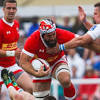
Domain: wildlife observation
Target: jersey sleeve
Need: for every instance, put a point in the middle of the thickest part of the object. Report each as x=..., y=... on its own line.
x=94, y=32
x=1, y=37
x=31, y=45
x=64, y=35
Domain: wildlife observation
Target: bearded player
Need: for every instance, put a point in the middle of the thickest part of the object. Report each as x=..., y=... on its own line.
x=48, y=36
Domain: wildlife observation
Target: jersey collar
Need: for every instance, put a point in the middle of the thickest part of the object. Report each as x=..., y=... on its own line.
x=10, y=24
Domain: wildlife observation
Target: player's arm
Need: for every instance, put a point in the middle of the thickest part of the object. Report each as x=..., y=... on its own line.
x=26, y=65
x=82, y=17
x=3, y=53
x=93, y=46
x=91, y=35
x=78, y=41
x=10, y=53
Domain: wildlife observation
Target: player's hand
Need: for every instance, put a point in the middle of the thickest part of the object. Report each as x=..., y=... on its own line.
x=53, y=50
x=17, y=53
x=82, y=14
x=42, y=73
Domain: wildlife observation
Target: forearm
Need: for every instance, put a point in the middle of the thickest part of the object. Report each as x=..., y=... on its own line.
x=25, y=63
x=93, y=46
x=74, y=43
x=79, y=41
x=28, y=68
x=7, y=53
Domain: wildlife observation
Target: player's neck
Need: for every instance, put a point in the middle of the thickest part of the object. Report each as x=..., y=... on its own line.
x=8, y=20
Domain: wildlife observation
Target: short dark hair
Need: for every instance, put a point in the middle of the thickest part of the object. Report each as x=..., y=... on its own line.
x=97, y=4
x=50, y=98
x=9, y=1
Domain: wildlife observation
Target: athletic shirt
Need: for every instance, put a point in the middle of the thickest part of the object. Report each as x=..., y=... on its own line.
x=94, y=31
x=9, y=36
x=35, y=47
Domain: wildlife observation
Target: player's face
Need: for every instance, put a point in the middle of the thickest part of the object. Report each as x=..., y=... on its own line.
x=97, y=15
x=10, y=11
x=50, y=39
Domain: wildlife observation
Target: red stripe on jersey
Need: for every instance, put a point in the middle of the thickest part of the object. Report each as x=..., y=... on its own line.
x=38, y=81
x=17, y=71
x=57, y=64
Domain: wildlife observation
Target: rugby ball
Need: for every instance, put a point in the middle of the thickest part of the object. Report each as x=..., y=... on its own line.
x=37, y=63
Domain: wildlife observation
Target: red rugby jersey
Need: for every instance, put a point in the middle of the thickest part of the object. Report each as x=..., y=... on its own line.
x=9, y=36
x=35, y=47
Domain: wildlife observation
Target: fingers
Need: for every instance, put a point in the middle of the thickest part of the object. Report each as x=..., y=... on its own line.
x=47, y=71
x=79, y=7
x=81, y=10
x=42, y=72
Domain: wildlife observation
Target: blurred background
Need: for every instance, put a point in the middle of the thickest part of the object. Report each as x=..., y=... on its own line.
x=85, y=64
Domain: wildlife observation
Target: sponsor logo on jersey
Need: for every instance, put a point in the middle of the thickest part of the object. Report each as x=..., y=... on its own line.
x=92, y=28
x=8, y=32
x=9, y=46
x=41, y=50
x=50, y=59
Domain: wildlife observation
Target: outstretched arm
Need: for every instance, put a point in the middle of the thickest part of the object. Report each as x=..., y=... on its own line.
x=82, y=17
x=93, y=46
x=79, y=41
x=75, y=42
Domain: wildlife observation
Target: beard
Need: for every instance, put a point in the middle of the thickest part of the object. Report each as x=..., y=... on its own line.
x=51, y=44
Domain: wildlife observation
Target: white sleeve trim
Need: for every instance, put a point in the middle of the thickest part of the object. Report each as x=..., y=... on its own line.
x=76, y=35
x=94, y=32
x=28, y=53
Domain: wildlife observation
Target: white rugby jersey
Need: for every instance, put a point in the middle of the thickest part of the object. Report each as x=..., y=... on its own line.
x=94, y=31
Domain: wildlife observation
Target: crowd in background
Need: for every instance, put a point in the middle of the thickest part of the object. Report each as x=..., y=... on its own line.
x=83, y=62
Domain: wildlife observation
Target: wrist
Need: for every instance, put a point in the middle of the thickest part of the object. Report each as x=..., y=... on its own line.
x=61, y=47
x=10, y=53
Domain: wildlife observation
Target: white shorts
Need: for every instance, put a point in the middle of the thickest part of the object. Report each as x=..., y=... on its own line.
x=14, y=68
x=48, y=78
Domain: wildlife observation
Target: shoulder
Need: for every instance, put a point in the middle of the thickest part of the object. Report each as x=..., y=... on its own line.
x=1, y=25
x=16, y=23
x=62, y=32
x=35, y=36
x=1, y=22
x=33, y=41
x=59, y=30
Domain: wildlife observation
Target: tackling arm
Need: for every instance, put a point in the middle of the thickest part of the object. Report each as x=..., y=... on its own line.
x=78, y=41
x=93, y=46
